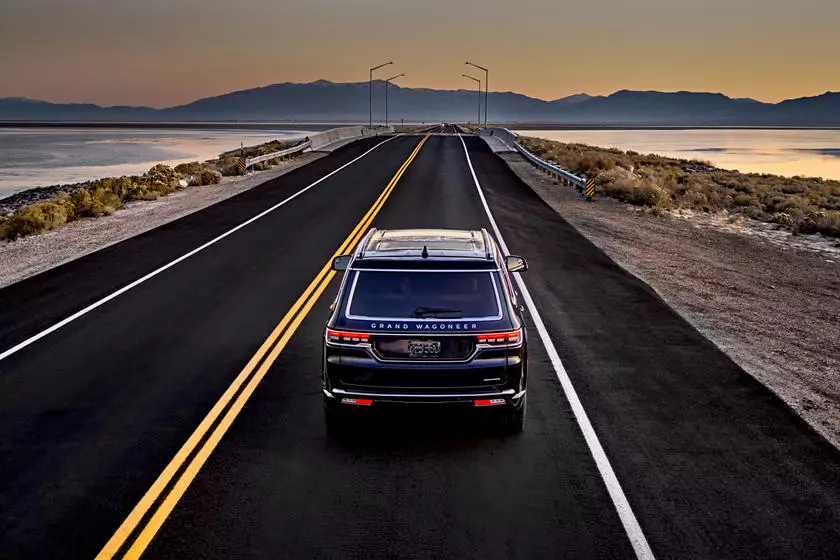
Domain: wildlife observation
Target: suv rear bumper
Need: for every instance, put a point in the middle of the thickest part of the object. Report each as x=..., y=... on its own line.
x=510, y=396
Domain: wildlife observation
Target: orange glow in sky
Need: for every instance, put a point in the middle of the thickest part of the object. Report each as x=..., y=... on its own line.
x=168, y=52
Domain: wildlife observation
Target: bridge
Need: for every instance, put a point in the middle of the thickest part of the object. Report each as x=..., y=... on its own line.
x=161, y=397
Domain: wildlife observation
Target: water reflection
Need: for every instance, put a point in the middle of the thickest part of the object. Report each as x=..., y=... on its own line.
x=41, y=157
x=813, y=153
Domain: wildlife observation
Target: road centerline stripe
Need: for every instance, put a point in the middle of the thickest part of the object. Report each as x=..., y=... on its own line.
x=284, y=331
x=619, y=499
x=150, y=275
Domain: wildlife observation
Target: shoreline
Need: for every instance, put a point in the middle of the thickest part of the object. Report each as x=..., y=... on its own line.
x=189, y=125
x=26, y=196
x=652, y=126
x=664, y=183
x=326, y=125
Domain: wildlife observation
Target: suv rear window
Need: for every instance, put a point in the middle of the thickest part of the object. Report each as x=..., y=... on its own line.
x=431, y=295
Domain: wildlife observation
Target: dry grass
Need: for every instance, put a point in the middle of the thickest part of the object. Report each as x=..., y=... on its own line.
x=104, y=196
x=802, y=204
x=198, y=174
x=98, y=198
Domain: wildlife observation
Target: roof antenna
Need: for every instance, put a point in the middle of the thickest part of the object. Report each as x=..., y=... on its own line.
x=425, y=253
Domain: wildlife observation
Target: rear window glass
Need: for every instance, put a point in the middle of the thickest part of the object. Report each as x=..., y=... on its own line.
x=430, y=295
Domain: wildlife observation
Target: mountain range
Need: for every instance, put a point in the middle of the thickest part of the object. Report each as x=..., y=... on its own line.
x=326, y=101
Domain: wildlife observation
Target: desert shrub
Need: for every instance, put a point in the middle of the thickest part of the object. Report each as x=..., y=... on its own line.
x=32, y=219
x=191, y=168
x=82, y=203
x=745, y=200
x=803, y=204
x=198, y=173
x=104, y=201
x=262, y=149
x=119, y=186
x=230, y=169
x=206, y=177
x=828, y=223
x=627, y=187
x=162, y=179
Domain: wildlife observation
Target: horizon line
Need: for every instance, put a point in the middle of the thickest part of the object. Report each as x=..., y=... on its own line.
x=379, y=81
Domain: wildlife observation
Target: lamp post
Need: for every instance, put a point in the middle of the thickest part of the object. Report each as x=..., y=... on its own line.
x=486, y=85
x=478, y=122
x=370, y=89
x=388, y=81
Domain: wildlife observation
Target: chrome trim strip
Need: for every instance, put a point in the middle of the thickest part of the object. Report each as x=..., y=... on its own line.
x=505, y=393
x=372, y=269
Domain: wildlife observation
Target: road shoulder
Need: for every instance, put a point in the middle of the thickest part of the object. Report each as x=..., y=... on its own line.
x=774, y=309
x=31, y=255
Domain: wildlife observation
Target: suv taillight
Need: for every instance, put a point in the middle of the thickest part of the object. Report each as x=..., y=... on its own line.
x=501, y=339
x=347, y=337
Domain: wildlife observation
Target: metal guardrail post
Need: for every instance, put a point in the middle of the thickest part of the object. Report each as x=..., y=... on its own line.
x=278, y=155
x=590, y=190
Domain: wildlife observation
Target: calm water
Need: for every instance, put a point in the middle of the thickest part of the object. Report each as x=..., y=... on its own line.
x=813, y=153
x=41, y=157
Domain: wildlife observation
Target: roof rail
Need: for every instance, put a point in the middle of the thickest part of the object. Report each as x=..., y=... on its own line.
x=360, y=253
x=487, y=243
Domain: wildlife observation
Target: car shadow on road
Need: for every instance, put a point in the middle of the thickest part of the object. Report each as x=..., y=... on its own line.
x=420, y=430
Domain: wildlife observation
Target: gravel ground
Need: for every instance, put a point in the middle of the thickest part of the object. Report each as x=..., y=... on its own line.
x=31, y=255
x=770, y=300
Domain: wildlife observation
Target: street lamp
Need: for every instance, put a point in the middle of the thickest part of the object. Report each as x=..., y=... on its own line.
x=370, y=89
x=478, y=122
x=388, y=81
x=486, y=85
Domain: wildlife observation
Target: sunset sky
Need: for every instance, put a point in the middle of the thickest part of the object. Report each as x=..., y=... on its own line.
x=168, y=52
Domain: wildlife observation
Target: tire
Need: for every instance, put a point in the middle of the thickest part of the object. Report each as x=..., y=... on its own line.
x=513, y=422
x=336, y=421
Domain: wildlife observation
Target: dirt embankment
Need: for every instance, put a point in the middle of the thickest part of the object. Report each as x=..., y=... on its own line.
x=772, y=302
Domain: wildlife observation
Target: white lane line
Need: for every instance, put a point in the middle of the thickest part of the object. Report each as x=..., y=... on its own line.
x=167, y=266
x=625, y=512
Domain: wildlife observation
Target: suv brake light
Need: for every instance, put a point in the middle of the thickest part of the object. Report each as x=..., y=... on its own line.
x=346, y=337
x=512, y=337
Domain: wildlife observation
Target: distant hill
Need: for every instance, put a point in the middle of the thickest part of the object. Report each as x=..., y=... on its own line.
x=336, y=102
x=21, y=109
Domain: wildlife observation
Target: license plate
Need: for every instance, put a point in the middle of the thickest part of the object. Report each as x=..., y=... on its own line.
x=423, y=348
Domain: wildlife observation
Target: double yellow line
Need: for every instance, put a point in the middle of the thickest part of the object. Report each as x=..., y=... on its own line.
x=252, y=374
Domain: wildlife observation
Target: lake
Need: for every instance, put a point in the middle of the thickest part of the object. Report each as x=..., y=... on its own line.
x=812, y=153
x=37, y=157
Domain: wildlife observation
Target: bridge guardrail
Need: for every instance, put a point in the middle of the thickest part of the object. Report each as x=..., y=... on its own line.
x=502, y=134
x=562, y=174
x=317, y=141
x=512, y=139
x=345, y=133
x=287, y=152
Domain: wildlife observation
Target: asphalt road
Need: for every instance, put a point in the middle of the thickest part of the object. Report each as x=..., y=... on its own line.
x=711, y=463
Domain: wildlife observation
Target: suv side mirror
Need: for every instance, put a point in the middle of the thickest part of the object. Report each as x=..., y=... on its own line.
x=515, y=264
x=341, y=262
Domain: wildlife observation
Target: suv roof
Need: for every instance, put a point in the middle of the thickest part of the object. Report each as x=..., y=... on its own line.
x=438, y=244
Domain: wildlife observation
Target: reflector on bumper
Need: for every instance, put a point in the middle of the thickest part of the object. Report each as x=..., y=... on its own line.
x=358, y=402
x=489, y=402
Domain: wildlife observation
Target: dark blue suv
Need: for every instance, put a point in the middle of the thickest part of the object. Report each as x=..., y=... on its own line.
x=426, y=317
